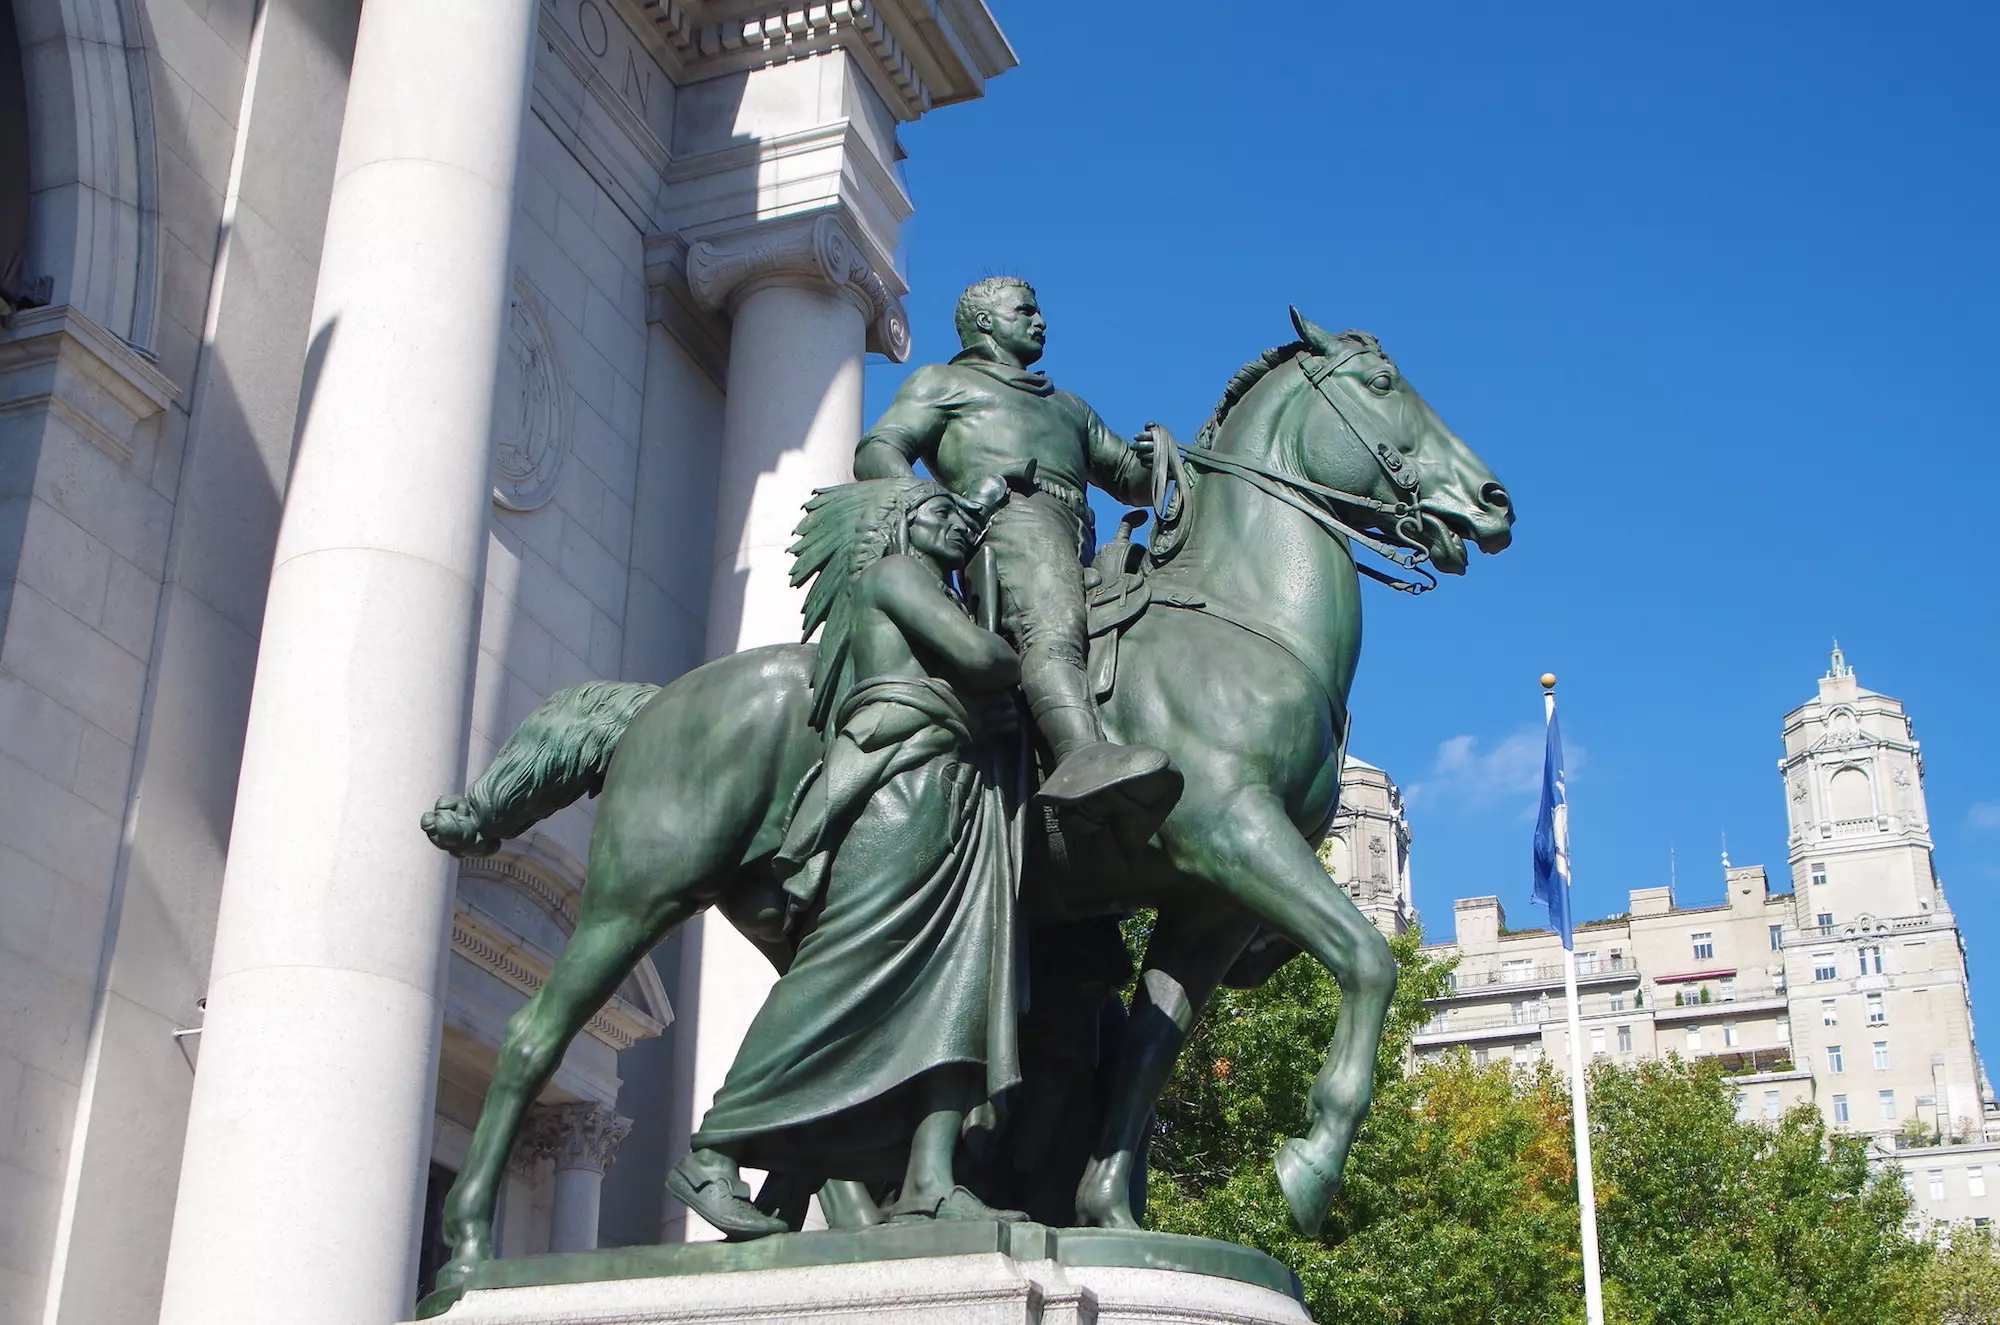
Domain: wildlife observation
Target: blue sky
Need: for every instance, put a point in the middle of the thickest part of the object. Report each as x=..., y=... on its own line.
x=1713, y=293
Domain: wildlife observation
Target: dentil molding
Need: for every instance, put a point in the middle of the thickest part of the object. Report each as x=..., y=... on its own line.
x=819, y=251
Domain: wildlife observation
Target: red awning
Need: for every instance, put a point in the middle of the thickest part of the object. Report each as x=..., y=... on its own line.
x=1693, y=975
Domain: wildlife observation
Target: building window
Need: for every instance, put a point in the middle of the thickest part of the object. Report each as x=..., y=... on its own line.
x=1742, y=1106
x=1523, y=1055
x=1823, y=967
x=1694, y=1039
x=1886, y=1101
x=1524, y=1014
x=1624, y=1039
x=1618, y=1002
x=1840, y=1109
x=1829, y=1012
x=1824, y=920
x=1771, y=1106
x=1877, y=1014
x=1834, y=1063
x=1597, y=1042
x=1586, y=963
x=1818, y=873
x=1777, y=937
x=1729, y=1037
x=1704, y=946
x=1871, y=960
x=1937, y=1184
x=1778, y=981
x=1479, y=1056
x=1881, y=1055
x=1517, y=972
x=1784, y=1030
x=1975, y=1181
x=1728, y=983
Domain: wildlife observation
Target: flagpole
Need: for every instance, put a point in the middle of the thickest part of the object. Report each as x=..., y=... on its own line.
x=1586, y=1180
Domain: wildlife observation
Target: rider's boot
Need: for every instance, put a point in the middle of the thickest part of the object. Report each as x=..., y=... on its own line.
x=1128, y=788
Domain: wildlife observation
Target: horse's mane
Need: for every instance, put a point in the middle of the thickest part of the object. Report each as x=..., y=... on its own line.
x=1250, y=374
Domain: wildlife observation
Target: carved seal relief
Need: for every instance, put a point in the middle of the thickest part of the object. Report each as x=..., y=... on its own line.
x=530, y=415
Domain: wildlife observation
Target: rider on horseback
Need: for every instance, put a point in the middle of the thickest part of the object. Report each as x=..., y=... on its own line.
x=986, y=413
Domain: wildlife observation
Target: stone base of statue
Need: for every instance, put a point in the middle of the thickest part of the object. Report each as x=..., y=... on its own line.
x=970, y=1273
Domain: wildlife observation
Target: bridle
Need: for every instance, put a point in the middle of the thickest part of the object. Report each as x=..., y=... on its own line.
x=1316, y=500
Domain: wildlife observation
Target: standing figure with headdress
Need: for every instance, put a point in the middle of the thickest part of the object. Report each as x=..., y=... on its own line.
x=895, y=1019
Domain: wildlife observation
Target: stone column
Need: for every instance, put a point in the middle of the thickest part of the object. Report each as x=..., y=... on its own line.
x=301, y=1183
x=804, y=305
x=581, y=1139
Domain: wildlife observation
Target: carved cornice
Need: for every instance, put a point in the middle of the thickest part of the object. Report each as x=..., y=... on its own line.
x=619, y=1024
x=575, y=1136
x=58, y=360
x=819, y=251
x=916, y=55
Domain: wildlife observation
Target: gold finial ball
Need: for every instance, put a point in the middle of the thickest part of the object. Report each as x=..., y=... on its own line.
x=1548, y=680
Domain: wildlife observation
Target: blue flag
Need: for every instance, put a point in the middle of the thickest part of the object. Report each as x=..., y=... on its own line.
x=1552, y=838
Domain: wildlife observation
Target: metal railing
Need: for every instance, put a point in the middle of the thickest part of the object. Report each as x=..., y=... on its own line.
x=1465, y=980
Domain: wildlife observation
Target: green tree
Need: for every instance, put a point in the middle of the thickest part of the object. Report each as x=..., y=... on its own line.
x=1961, y=1284
x=1460, y=1201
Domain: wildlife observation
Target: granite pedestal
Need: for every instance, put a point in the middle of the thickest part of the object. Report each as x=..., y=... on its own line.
x=971, y=1273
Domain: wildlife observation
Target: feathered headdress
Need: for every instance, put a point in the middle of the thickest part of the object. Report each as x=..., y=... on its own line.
x=846, y=529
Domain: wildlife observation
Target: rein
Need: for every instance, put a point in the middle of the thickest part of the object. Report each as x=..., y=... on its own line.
x=1319, y=502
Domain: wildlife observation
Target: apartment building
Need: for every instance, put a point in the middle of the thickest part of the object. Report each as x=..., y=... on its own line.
x=1845, y=987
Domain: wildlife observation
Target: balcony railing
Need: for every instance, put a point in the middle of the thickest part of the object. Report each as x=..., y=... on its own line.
x=1465, y=981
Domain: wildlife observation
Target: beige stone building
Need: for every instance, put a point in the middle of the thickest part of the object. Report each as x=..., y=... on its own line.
x=1367, y=847
x=1846, y=989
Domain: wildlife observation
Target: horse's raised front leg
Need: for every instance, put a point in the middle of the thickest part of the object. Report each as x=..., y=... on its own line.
x=1250, y=849
x=612, y=934
x=1184, y=959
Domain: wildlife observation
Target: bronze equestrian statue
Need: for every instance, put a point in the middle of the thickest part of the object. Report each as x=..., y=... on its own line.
x=1231, y=648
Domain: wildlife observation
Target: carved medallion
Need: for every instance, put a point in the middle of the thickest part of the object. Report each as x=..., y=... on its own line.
x=530, y=423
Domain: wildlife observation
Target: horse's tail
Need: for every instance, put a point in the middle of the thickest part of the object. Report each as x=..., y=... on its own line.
x=558, y=755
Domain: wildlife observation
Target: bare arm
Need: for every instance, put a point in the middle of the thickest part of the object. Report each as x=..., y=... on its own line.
x=910, y=596
x=907, y=433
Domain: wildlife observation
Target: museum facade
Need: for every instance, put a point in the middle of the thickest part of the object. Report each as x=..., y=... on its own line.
x=367, y=374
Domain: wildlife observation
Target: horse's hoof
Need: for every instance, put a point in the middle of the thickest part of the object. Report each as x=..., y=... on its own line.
x=451, y=1281
x=1100, y=1203
x=1309, y=1190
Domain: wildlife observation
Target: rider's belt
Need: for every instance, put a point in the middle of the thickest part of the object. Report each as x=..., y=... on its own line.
x=1063, y=493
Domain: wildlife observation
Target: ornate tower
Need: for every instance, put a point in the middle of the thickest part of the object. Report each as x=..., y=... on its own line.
x=1367, y=848
x=1854, y=778
x=1873, y=959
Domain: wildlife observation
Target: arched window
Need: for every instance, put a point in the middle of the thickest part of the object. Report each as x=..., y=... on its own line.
x=13, y=170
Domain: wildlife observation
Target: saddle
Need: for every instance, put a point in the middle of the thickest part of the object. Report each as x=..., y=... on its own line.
x=1117, y=593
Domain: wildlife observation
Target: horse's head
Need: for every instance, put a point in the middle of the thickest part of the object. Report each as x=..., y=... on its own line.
x=1405, y=453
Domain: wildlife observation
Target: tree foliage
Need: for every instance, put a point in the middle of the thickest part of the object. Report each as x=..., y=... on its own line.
x=1460, y=1199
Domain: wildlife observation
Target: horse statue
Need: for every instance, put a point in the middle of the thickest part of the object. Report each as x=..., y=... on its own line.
x=1238, y=664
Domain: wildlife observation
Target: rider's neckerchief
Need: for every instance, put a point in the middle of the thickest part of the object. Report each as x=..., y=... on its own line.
x=1021, y=379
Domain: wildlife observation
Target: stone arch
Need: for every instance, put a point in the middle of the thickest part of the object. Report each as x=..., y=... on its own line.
x=1849, y=794
x=532, y=900
x=93, y=174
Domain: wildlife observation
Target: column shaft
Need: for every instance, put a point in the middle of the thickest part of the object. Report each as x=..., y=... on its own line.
x=790, y=422
x=302, y=1179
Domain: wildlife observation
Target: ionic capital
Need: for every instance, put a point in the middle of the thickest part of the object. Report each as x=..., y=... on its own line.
x=817, y=251
x=575, y=1136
